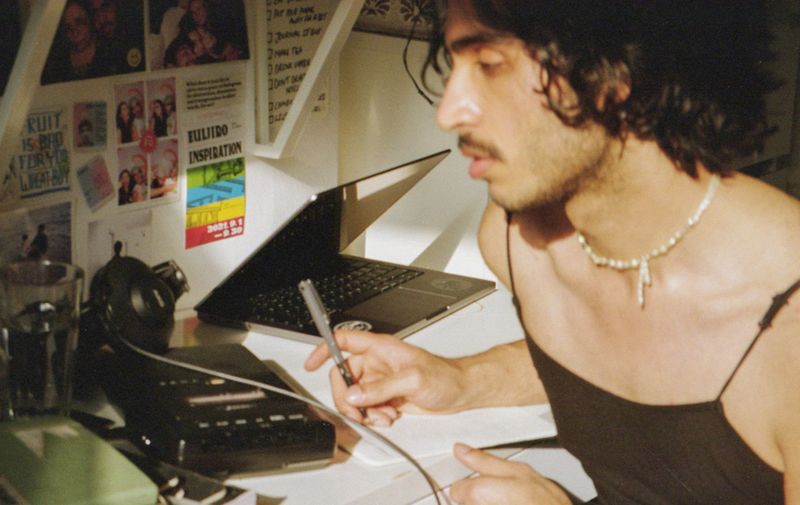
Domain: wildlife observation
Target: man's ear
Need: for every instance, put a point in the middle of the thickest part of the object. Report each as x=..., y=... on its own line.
x=617, y=87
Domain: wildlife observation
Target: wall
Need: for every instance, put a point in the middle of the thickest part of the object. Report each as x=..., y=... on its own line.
x=783, y=149
x=274, y=188
x=377, y=121
x=384, y=122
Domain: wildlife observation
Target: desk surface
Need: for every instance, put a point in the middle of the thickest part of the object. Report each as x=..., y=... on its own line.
x=347, y=480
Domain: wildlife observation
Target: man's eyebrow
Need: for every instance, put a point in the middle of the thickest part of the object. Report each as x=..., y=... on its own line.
x=477, y=39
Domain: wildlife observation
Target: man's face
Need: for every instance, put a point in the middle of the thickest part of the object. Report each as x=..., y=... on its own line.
x=518, y=145
x=105, y=19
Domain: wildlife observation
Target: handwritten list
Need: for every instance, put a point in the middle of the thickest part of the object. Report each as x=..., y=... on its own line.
x=294, y=30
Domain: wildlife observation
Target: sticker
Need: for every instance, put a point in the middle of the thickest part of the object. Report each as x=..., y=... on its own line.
x=353, y=325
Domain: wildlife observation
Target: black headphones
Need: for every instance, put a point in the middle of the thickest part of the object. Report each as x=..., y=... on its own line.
x=129, y=300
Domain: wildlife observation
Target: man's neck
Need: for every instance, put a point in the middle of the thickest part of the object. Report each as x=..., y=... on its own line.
x=643, y=200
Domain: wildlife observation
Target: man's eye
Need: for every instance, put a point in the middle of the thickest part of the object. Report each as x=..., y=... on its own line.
x=489, y=66
x=489, y=61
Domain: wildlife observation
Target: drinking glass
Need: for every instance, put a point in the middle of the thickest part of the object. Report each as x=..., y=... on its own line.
x=39, y=315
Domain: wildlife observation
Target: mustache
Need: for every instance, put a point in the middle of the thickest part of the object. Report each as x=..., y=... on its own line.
x=483, y=148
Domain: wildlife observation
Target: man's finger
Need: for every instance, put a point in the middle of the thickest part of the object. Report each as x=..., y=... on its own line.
x=356, y=341
x=486, y=464
x=338, y=390
x=383, y=391
x=350, y=341
x=318, y=356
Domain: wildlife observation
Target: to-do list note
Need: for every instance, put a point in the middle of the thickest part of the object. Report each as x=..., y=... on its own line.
x=294, y=30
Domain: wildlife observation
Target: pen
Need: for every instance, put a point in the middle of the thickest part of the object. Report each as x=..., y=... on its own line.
x=320, y=317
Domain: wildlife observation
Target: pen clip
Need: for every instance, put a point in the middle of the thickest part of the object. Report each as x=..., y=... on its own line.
x=307, y=289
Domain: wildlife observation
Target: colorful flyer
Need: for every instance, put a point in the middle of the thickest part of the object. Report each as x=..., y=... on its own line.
x=215, y=202
x=42, y=163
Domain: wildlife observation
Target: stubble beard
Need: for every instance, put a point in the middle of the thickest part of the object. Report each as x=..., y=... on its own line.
x=558, y=178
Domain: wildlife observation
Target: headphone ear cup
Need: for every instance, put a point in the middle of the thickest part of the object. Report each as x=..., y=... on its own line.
x=128, y=300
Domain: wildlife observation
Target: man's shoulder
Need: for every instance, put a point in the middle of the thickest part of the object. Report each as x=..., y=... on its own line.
x=766, y=199
x=784, y=337
x=766, y=218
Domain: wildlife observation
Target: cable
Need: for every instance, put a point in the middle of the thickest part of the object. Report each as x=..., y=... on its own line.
x=435, y=488
x=405, y=64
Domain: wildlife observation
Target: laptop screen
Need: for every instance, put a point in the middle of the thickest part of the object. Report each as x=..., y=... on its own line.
x=309, y=242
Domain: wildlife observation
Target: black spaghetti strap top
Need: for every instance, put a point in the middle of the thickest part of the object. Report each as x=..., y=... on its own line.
x=640, y=454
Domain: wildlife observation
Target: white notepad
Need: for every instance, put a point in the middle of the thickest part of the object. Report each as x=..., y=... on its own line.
x=431, y=435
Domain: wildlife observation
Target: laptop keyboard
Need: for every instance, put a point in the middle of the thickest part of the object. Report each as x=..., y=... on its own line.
x=357, y=281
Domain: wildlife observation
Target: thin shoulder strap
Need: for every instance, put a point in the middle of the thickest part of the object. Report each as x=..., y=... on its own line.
x=778, y=302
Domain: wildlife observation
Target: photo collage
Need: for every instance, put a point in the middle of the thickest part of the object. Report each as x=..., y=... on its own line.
x=119, y=147
x=146, y=135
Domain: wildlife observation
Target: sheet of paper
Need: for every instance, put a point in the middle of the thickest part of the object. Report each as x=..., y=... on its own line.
x=489, y=322
x=423, y=436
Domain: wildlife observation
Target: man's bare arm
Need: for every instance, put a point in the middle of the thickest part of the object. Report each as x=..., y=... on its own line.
x=502, y=376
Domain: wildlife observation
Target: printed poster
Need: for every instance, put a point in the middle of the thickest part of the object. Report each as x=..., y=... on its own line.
x=42, y=161
x=213, y=148
x=215, y=202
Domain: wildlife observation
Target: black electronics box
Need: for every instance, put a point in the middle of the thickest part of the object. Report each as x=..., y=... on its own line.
x=216, y=426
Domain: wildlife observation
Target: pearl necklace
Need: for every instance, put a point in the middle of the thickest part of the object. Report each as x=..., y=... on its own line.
x=643, y=262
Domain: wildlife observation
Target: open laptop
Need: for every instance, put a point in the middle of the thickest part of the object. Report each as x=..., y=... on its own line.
x=261, y=294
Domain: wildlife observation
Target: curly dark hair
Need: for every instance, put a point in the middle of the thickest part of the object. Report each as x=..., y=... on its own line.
x=695, y=69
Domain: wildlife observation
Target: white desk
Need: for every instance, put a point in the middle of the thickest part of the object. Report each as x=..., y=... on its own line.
x=347, y=480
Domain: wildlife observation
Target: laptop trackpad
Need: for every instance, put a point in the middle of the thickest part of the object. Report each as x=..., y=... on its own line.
x=401, y=306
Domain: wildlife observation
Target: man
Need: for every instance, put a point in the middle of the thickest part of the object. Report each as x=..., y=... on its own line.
x=644, y=267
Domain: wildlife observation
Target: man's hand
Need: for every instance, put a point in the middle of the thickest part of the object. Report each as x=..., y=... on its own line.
x=391, y=377
x=502, y=482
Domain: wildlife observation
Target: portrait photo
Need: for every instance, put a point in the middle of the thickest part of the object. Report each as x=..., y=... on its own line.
x=96, y=38
x=193, y=32
x=129, y=112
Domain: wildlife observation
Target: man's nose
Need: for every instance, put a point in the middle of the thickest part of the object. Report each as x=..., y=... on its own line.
x=459, y=106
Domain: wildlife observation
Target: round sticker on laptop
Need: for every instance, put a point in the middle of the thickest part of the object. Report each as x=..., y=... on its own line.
x=353, y=325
